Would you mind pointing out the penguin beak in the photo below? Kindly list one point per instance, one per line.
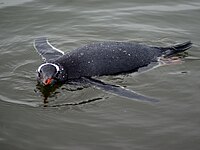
(47, 81)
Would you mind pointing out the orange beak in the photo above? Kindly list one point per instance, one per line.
(47, 81)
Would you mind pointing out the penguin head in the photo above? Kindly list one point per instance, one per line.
(50, 73)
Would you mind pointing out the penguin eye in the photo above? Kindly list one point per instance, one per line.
(57, 74)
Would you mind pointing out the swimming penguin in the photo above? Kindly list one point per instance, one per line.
(97, 59)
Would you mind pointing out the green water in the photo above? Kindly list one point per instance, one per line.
(112, 122)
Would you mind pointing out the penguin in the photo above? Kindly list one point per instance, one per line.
(98, 59)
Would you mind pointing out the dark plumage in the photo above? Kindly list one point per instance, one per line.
(110, 58)
(97, 59)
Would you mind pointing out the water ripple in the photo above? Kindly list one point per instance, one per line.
(150, 8)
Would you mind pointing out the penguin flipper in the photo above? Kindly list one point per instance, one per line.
(118, 90)
(46, 50)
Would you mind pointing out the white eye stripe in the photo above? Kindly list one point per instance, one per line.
(56, 66)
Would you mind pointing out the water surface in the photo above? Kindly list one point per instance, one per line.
(111, 122)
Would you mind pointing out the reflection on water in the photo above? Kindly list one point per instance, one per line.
(47, 91)
(52, 92)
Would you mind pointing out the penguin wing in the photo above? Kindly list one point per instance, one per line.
(46, 50)
(118, 90)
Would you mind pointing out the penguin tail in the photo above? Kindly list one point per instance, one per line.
(175, 49)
